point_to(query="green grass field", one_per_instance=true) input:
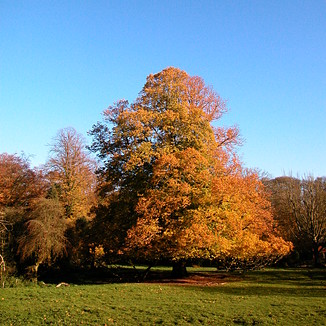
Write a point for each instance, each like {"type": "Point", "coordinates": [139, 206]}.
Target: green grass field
{"type": "Point", "coordinates": [267, 297]}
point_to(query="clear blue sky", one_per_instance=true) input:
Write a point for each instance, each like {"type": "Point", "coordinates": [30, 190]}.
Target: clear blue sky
{"type": "Point", "coordinates": [63, 62]}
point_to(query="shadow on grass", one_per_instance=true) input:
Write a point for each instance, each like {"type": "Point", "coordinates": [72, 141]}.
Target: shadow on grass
{"type": "Point", "coordinates": [92, 276]}
{"type": "Point", "coordinates": [287, 274]}
{"type": "Point", "coordinates": [263, 291]}
{"type": "Point", "coordinates": [289, 282]}
{"type": "Point", "coordinates": [277, 282]}
{"type": "Point", "coordinates": [288, 277]}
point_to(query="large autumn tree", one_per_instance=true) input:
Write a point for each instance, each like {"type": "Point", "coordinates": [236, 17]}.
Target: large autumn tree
{"type": "Point", "coordinates": [172, 185]}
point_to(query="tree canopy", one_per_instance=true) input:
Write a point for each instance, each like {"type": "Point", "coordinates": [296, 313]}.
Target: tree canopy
{"type": "Point", "coordinates": [71, 173]}
{"type": "Point", "coordinates": [19, 184]}
{"type": "Point", "coordinates": [44, 237]}
{"type": "Point", "coordinates": [300, 208]}
{"type": "Point", "coordinates": [172, 185]}
{"type": "Point", "coordinates": [169, 188]}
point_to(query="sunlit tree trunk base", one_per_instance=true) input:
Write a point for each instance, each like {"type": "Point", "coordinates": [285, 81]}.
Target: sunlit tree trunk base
{"type": "Point", "coordinates": [34, 272]}
{"type": "Point", "coordinates": [179, 269]}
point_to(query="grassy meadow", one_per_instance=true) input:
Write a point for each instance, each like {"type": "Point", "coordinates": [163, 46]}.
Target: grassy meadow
{"type": "Point", "coordinates": [266, 297]}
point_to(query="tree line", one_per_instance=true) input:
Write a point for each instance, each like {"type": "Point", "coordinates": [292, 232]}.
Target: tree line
{"type": "Point", "coordinates": [167, 187]}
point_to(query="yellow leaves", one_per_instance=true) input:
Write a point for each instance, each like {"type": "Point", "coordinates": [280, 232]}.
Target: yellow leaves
{"type": "Point", "coordinates": [71, 173]}
{"type": "Point", "coordinates": [139, 156]}
{"type": "Point", "coordinates": [193, 213]}
{"type": "Point", "coordinates": [98, 254]}
{"type": "Point", "coordinates": [173, 84]}
{"type": "Point", "coordinates": [185, 188]}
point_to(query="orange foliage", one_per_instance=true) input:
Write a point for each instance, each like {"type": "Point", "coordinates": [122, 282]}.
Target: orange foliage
{"type": "Point", "coordinates": [186, 193]}
{"type": "Point", "coordinates": [19, 184]}
{"type": "Point", "coordinates": [191, 213]}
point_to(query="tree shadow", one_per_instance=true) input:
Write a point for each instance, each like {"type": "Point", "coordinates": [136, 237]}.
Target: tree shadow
{"type": "Point", "coordinates": [300, 277]}
{"type": "Point", "coordinates": [264, 282]}
{"type": "Point", "coordinates": [91, 276]}
{"type": "Point", "coordinates": [263, 291]}
{"type": "Point", "coordinates": [289, 273]}
{"type": "Point", "coordinates": [129, 274]}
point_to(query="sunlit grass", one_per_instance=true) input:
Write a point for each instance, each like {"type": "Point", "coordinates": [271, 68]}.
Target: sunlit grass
{"type": "Point", "coordinates": [268, 297]}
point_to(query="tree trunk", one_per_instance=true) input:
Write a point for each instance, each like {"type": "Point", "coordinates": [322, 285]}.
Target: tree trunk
{"type": "Point", "coordinates": [316, 254]}
{"type": "Point", "coordinates": [34, 271]}
{"type": "Point", "coordinates": [179, 269]}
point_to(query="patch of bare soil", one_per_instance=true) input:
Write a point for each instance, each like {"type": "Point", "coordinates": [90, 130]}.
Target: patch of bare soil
{"type": "Point", "coordinates": [195, 279]}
